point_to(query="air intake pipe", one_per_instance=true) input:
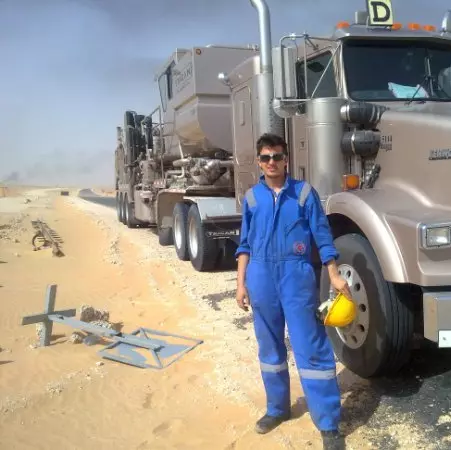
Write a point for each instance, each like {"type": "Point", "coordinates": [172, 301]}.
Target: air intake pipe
{"type": "Point", "coordinates": [269, 121]}
{"type": "Point", "coordinates": [364, 143]}
{"type": "Point", "coordinates": [367, 114]}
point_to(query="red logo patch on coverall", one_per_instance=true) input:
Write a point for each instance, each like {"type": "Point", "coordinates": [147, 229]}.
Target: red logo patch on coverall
{"type": "Point", "coordinates": [299, 248]}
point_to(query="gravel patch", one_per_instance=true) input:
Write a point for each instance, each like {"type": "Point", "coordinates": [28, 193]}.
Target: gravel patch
{"type": "Point", "coordinates": [12, 229]}
{"type": "Point", "coordinates": [414, 408]}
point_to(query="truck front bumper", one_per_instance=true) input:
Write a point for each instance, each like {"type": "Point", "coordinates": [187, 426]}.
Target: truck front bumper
{"type": "Point", "coordinates": [437, 317]}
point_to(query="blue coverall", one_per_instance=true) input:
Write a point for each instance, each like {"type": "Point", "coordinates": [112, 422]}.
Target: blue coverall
{"type": "Point", "coordinates": [281, 284]}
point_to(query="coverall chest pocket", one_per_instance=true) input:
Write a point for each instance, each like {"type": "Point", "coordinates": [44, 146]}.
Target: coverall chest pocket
{"type": "Point", "coordinates": [296, 240]}
{"type": "Point", "coordinates": [256, 236]}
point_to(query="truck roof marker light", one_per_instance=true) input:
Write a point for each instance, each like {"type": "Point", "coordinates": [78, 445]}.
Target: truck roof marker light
{"type": "Point", "coordinates": [343, 24]}
{"type": "Point", "coordinates": [414, 26]}
{"type": "Point", "coordinates": [350, 182]}
{"type": "Point", "coordinates": [429, 28]}
{"type": "Point", "coordinates": [396, 26]}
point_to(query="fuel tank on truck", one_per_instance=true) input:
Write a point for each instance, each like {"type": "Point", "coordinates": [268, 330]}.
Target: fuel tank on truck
{"type": "Point", "coordinates": [198, 117]}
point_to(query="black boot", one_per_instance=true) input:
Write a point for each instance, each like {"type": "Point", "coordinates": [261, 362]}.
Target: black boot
{"type": "Point", "coordinates": [268, 423]}
{"type": "Point", "coordinates": [333, 440]}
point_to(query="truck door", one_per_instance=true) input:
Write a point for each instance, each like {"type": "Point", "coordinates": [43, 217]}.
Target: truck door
{"type": "Point", "coordinates": [316, 66]}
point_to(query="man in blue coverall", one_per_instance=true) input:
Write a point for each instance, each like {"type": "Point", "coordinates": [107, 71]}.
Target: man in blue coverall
{"type": "Point", "coordinates": [276, 278]}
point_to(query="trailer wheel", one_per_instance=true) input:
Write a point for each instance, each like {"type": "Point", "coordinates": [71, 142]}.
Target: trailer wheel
{"type": "Point", "coordinates": [130, 219]}
{"type": "Point", "coordinates": [378, 342]}
{"type": "Point", "coordinates": [165, 237]}
{"type": "Point", "coordinates": [121, 208]}
{"type": "Point", "coordinates": [124, 209]}
{"type": "Point", "coordinates": [118, 207]}
{"type": "Point", "coordinates": [180, 230]}
{"type": "Point", "coordinates": [203, 252]}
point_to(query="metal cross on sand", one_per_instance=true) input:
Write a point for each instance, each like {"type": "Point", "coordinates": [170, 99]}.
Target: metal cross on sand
{"type": "Point", "coordinates": [125, 344]}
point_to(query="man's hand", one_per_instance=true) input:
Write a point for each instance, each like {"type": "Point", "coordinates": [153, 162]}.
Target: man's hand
{"type": "Point", "coordinates": [336, 280]}
{"type": "Point", "coordinates": [340, 285]}
{"type": "Point", "coordinates": [242, 298]}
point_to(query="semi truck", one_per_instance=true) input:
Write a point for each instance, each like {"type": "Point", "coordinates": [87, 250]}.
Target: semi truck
{"type": "Point", "coordinates": [366, 114]}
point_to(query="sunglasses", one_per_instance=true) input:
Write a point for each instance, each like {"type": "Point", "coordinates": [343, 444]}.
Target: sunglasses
{"type": "Point", "coordinates": [277, 157]}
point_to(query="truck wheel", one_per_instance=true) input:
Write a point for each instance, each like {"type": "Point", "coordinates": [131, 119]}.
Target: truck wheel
{"type": "Point", "coordinates": [118, 207]}
{"type": "Point", "coordinates": [180, 230]}
{"type": "Point", "coordinates": [203, 252]}
{"type": "Point", "coordinates": [130, 219]}
{"type": "Point", "coordinates": [378, 342]}
{"type": "Point", "coordinates": [165, 237]}
{"type": "Point", "coordinates": [121, 206]}
{"type": "Point", "coordinates": [124, 209]}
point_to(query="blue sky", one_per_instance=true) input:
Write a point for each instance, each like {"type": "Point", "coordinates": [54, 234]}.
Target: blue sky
{"type": "Point", "coordinates": [69, 68]}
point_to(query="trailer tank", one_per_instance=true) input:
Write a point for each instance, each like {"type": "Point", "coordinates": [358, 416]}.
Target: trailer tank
{"type": "Point", "coordinates": [197, 113]}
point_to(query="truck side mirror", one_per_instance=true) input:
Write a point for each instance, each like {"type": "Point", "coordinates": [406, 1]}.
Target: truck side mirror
{"type": "Point", "coordinates": [285, 83]}
{"type": "Point", "coordinates": [284, 75]}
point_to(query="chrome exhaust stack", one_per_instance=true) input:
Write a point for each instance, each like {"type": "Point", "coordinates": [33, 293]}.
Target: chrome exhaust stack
{"type": "Point", "coordinates": [269, 121]}
{"type": "Point", "coordinates": [264, 24]}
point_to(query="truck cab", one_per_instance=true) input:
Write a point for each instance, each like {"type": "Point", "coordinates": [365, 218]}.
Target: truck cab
{"type": "Point", "coordinates": [367, 113]}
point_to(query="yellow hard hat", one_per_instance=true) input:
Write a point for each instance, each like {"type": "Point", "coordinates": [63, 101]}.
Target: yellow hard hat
{"type": "Point", "coordinates": [341, 311]}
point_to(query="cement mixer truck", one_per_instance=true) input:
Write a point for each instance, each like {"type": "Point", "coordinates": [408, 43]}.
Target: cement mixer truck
{"type": "Point", "coordinates": [366, 112]}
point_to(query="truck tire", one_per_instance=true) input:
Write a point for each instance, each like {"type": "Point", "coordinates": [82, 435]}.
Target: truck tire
{"type": "Point", "coordinates": [203, 252]}
{"type": "Point", "coordinates": [165, 237]}
{"type": "Point", "coordinates": [378, 342]}
{"type": "Point", "coordinates": [118, 207]}
{"type": "Point", "coordinates": [130, 219]}
{"type": "Point", "coordinates": [123, 211]}
{"type": "Point", "coordinates": [180, 230]}
{"type": "Point", "coordinates": [121, 208]}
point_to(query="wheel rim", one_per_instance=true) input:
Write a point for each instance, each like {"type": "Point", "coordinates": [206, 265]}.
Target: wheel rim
{"type": "Point", "coordinates": [177, 231]}
{"type": "Point", "coordinates": [193, 241]}
{"type": "Point", "coordinates": [354, 335]}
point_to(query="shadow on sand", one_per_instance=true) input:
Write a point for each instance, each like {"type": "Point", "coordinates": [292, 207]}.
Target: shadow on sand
{"type": "Point", "coordinates": [421, 391]}
{"type": "Point", "coordinates": [428, 368]}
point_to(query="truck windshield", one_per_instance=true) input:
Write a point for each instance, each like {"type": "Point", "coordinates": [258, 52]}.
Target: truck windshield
{"type": "Point", "coordinates": [391, 70]}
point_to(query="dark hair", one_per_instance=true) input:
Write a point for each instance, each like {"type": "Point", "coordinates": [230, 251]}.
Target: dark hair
{"type": "Point", "coordinates": [271, 140]}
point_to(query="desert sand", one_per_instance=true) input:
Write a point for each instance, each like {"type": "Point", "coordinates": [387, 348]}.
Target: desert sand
{"type": "Point", "coordinates": [65, 396]}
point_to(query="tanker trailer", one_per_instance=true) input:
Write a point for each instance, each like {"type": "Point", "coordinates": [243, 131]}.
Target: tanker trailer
{"type": "Point", "coordinates": [175, 166]}
{"type": "Point", "coordinates": [185, 167]}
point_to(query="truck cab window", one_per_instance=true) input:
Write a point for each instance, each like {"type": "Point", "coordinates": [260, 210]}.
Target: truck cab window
{"type": "Point", "coordinates": [397, 70]}
{"type": "Point", "coordinates": [315, 69]}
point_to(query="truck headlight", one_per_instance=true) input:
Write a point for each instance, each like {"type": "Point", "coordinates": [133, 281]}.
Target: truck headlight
{"type": "Point", "coordinates": [434, 236]}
